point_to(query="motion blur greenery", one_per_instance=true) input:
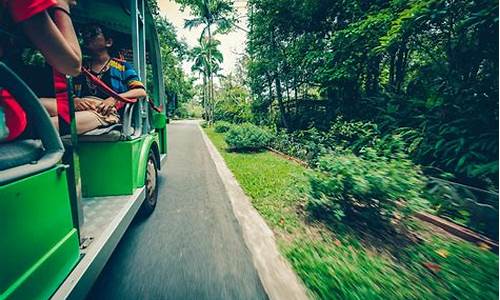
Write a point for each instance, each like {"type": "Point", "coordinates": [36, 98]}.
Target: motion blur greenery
{"type": "Point", "coordinates": [345, 267]}
{"type": "Point", "coordinates": [361, 138]}
{"type": "Point", "coordinates": [337, 261]}
{"type": "Point", "coordinates": [368, 188]}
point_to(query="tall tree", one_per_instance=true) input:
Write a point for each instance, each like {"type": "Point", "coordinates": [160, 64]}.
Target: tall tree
{"type": "Point", "coordinates": [207, 59]}
{"type": "Point", "coordinates": [210, 13]}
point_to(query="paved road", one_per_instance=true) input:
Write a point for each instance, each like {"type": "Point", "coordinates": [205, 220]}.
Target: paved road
{"type": "Point", "coordinates": [191, 247]}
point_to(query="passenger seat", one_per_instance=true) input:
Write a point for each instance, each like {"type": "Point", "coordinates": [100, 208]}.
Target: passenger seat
{"type": "Point", "coordinates": [20, 152]}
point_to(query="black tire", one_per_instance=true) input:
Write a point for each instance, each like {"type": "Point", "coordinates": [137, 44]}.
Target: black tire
{"type": "Point", "coordinates": [151, 186]}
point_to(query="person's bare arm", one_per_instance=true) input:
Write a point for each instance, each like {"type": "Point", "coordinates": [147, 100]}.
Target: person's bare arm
{"type": "Point", "coordinates": [62, 52]}
{"type": "Point", "coordinates": [107, 105]}
{"type": "Point", "coordinates": [134, 93]}
{"type": "Point", "coordinates": [65, 25]}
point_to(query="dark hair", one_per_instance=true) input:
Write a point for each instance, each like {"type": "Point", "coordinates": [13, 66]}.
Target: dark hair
{"type": "Point", "coordinates": [94, 29]}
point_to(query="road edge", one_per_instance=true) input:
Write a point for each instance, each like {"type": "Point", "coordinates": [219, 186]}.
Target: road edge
{"type": "Point", "coordinates": [276, 274]}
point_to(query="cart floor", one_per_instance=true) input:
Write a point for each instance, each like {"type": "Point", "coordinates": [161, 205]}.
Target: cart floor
{"type": "Point", "coordinates": [105, 222]}
{"type": "Point", "coordinates": [98, 213]}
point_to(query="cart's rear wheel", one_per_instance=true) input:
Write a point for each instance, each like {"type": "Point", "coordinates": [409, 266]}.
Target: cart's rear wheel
{"type": "Point", "coordinates": [151, 185]}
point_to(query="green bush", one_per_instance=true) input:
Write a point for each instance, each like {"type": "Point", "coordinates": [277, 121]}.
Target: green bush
{"type": "Point", "coordinates": [375, 187]}
{"type": "Point", "coordinates": [222, 126]}
{"type": "Point", "coordinates": [204, 124]}
{"type": "Point", "coordinates": [247, 137]}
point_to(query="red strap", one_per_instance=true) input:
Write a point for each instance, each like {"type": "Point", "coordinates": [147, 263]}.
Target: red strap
{"type": "Point", "coordinates": [110, 92]}
{"type": "Point", "coordinates": [156, 108]}
{"type": "Point", "coordinates": [106, 89]}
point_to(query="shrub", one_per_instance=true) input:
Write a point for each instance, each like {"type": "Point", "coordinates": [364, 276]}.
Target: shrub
{"type": "Point", "coordinates": [222, 126]}
{"type": "Point", "coordinates": [375, 187]}
{"type": "Point", "coordinates": [204, 124]}
{"type": "Point", "coordinates": [247, 137]}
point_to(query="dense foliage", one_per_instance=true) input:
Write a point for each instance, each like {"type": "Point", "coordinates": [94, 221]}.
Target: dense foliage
{"type": "Point", "coordinates": [310, 144]}
{"type": "Point", "coordinates": [427, 65]}
{"type": "Point", "coordinates": [247, 137]}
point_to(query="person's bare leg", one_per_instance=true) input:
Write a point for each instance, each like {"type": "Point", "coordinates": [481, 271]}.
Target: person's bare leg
{"type": "Point", "coordinates": [50, 105]}
{"type": "Point", "coordinates": [85, 121]}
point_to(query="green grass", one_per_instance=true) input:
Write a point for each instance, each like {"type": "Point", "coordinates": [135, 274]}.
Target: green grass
{"type": "Point", "coordinates": [342, 263]}
{"type": "Point", "coordinates": [268, 180]}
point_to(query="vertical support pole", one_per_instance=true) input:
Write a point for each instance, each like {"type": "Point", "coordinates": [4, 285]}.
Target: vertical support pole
{"type": "Point", "coordinates": [145, 109]}
{"type": "Point", "coordinates": [136, 49]}
{"type": "Point", "coordinates": [67, 125]}
{"type": "Point", "coordinates": [142, 41]}
{"type": "Point", "coordinates": [159, 87]}
{"type": "Point", "coordinates": [134, 9]}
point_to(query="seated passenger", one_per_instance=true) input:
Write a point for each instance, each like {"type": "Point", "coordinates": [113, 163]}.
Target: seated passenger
{"type": "Point", "coordinates": [55, 38]}
{"type": "Point", "coordinates": [94, 108]}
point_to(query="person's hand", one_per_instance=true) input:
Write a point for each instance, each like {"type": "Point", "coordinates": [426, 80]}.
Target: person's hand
{"type": "Point", "coordinates": [85, 104]}
{"type": "Point", "coordinates": [106, 106]}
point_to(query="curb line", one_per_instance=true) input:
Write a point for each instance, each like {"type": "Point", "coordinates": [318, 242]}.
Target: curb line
{"type": "Point", "coordinates": [275, 273]}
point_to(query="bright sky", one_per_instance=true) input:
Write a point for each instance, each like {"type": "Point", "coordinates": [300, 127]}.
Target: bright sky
{"type": "Point", "coordinates": [232, 44]}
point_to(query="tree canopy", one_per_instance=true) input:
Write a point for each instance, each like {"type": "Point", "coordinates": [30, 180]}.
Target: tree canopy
{"type": "Point", "coordinates": [428, 65]}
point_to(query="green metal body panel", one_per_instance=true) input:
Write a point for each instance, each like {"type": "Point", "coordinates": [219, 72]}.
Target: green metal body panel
{"type": "Point", "coordinates": [114, 168]}
{"type": "Point", "coordinates": [160, 124]}
{"type": "Point", "coordinates": [162, 135]}
{"type": "Point", "coordinates": [40, 246]}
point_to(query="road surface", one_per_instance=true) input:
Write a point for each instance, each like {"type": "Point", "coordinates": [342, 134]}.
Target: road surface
{"type": "Point", "coordinates": [191, 247]}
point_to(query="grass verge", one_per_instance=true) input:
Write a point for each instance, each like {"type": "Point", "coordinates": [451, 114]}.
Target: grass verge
{"type": "Point", "coordinates": [344, 263]}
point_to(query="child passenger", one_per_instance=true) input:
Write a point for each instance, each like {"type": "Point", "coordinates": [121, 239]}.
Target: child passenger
{"type": "Point", "coordinates": [94, 108]}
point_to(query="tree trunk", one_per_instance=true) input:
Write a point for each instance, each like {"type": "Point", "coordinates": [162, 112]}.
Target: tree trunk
{"type": "Point", "coordinates": [271, 95]}
{"type": "Point", "coordinates": [279, 95]}
{"type": "Point", "coordinates": [210, 69]}
{"type": "Point", "coordinates": [205, 97]}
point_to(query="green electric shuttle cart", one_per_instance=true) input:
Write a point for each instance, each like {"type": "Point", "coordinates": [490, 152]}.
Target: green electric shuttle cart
{"type": "Point", "coordinates": [66, 200]}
